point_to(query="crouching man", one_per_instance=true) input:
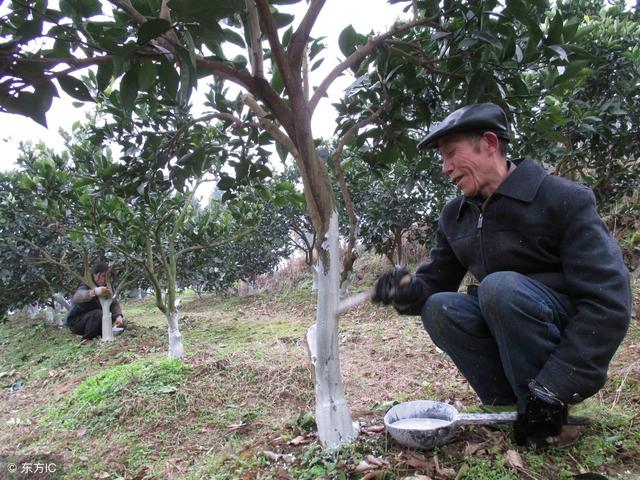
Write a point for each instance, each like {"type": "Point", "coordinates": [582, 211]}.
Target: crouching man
{"type": "Point", "coordinates": [553, 301]}
{"type": "Point", "coordinates": [85, 316]}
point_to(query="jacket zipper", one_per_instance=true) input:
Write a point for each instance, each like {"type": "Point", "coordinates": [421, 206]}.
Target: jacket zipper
{"type": "Point", "coordinates": [479, 228]}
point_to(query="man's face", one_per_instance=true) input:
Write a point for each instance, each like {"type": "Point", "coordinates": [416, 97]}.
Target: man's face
{"type": "Point", "coordinates": [466, 162]}
{"type": "Point", "coordinates": [100, 279]}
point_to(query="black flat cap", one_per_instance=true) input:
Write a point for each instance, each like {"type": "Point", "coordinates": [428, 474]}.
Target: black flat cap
{"type": "Point", "coordinates": [480, 117]}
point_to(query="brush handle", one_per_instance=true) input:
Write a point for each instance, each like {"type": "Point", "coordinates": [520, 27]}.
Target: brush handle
{"type": "Point", "coordinates": [486, 418]}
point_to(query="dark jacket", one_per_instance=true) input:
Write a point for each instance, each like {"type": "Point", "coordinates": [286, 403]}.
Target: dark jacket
{"type": "Point", "coordinates": [83, 303]}
{"type": "Point", "coordinates": [547, 228]}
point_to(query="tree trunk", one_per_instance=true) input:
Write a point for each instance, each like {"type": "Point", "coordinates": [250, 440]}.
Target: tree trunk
{"type": "Point", "coordinates": [335, 426]}
{"type": "Point", "coordinates": [176, 349]}
{"type": "Point", "coordinates": [107, 326]}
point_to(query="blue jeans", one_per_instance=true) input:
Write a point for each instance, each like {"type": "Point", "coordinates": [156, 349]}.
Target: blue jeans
{"type": "Point", "coordinates": [501, 338]}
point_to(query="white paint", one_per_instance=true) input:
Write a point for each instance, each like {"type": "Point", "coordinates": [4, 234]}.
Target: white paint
{"type": "Point", "coordinates": [420, 423]}
{"type": "Point", "coordinates": [176, 348]}
{"type": "Point", "coordinates": [107, 326]}
{"type": "Point", "coordinates": [335, 426]}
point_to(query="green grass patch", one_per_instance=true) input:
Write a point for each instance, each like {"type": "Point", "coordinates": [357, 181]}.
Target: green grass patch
{"type": "Point", "coordinates": [144, 385]}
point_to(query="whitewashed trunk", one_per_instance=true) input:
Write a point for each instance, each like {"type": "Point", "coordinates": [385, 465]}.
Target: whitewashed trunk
{"type": "Point", "coordinates": [107, 326]}
{"type": "Point", "coordinates": [176, 349]}
{"type": "Point", "coordinates": [59, 303]}
{"type": "Point", "coordinates": [335, 426]}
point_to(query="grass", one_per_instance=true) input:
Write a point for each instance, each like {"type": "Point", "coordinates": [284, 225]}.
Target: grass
{"type": "Point", "coordinates": [240, 404]}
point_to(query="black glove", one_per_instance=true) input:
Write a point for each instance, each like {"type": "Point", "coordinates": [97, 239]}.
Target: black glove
{"type": "Point", "coordinates": [543, 416]}
{"type": "Point", "coordinates": [389, 285]}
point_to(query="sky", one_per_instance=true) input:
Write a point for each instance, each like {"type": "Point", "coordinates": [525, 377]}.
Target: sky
{"type": "Point", "coordinates": [364, 15]}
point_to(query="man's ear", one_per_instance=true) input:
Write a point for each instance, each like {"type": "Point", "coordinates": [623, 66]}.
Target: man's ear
{"type": "Point", "coordinates": [493, 142]}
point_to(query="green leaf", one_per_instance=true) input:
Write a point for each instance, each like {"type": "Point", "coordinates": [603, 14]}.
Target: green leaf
{"type": "Point", "coordinates": [555, 29]}
{"type": "Point", "coordinates": [25, 104]}
{"type": "Point", "coordinates": [347, 40]}
{"type": "Point", "coordinates": [152, 29]}
{"type": "Point", "coordinates": [233, 37]}
{"type": "Point", "coordinates": [104, 75]}
{"type": "Point", "coordinates": [74, 88]}
{"type": "Point", "coordinates": [490, 39]}
{"type": "Point", "coordinates": [169, 77]}
{"type": "Point", "coordinates": [226, 182]}
{"type": "Point", "coordinates": [282, 19]}
{"type": "Point", "coordinates": [559, 51]}
{"type": "Point", "coordinates": [29, 30]}
{"type": "Point", "coordinates": [147, 75]}
{"type": "Point", "coordinates": [129, 89]}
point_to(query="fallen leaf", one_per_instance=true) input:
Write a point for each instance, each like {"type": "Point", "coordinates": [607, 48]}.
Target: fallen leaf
{"type": "Point", "coordinates": [416, 461]}
{"type": "Point", "coordinates": [418, 477]}
{"type": "Point", "coordinates": [376, 474]}
{"type": "Point", "coordinates": [141, 474]}
{"type": "Point", "coordinates": [271, 455]}
{"type": "Point", "coordinates": [300, 440]}
{"type": "Point", "coordinates": [472, 448]}
{"type": "Point", "coordinates": [81, 432]}
{"type": "Point", "coordinates": [102, 475]}
{"type": "Point", "coordinates": [514, 460]}
{"type": "Point", "coordinates": [363, 466]}
{"type": "Point", "coordinates": [373, 429]}
{"type": "Point", "coordinates": [443, 472]}
{"type": "Point", "coordinates": [288, 458]}
{"type": "Point", "coordinates": [284, 475]}
{"type": "Point", "coordinates": [378, 462]}
{"type": "Point", "coordinates": [236, 426]}
{"type": "Point", "coordinates": [83, 458]}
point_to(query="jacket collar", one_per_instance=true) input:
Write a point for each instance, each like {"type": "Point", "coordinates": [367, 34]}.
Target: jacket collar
{"type": "Point", "coordinates": [522, 184]}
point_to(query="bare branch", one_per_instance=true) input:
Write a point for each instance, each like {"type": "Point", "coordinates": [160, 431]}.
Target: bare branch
{"type": "Point", "coordinates": [271, 31]}
{"type": "Point", "coordinates": [255, 40]}
{"type": "Point", "coordinates": [227, 117]}
{"type": "Point", "coordinates": [300, 37]}
{"type": "Point", "coordinates": [217, 243]}
{"type": "Point", "coordinates": [165, 13]}
{"type": "Point", "coordinates": [356, 57]}
{"type": "Point", "coordinates": [350, 256]}
{"type": "Point", "coordinates": [258, 87]}
{"type": "Point", "coordinates": [269, 126]}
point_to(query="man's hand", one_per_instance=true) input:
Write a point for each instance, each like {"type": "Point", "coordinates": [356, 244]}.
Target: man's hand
{"type": "Point", "coordinates": [119, 322]}
{"type": "Point", "coordinates": [103, 292]}
{"type": "Point", "coordinates": [543, 416]}
{"type": "Point", "coordinates": [390, 286]}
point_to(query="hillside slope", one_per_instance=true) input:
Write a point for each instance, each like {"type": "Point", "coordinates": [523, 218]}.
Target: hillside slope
{"type": "Point", "coordinates": [240, 404]}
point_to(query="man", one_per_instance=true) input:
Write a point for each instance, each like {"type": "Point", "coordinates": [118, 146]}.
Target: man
{"type": "Point", "coordinates": [85, 316]}
{"type": "Point", "coordinates": [553, 301]}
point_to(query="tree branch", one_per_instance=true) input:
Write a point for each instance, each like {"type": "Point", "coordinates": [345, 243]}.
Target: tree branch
{"type": "Point", "coordinates": [217, 243]}
{"type": "Point", "coordinates": [255, 40]}
{"type": "Point", "coordinates": [271, 30]}
{"type": "Point", "coordinates": [300, 37]}
{"type": "Point", "coordinates": [350, 255]}
{"type": "Point", "coordinates": [269, 126]}
{"type": "Point", "coordinates": [48, 258]}
{"type": "Point", "coordinates": [356, 57]}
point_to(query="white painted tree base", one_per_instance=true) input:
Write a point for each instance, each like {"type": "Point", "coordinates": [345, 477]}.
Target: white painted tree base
{"type": "Point", "coordinates": [335, 426]}
{"type": "Point", "coordinates": [107, 326]}
{"type": "Point", "coordinates": [176, 348]}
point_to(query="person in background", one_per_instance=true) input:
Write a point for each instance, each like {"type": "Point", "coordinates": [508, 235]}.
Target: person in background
{"type": "Point", "coordinates": [553, 301]}
{"type": "Point", "coordinates": [85, 315]}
